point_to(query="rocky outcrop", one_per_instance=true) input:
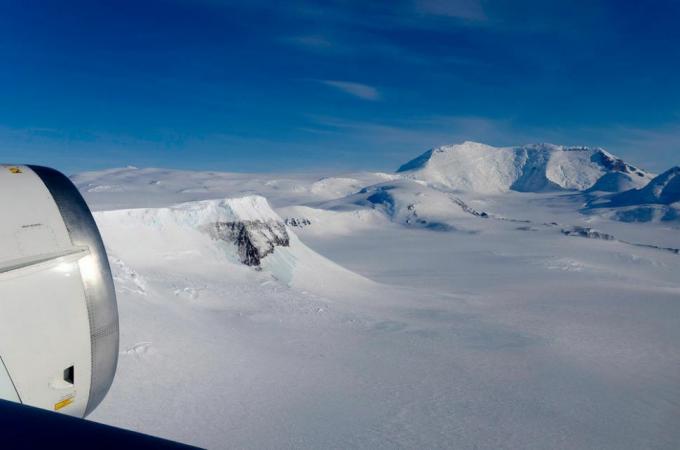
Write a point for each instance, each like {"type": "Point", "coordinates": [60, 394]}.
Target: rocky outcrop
{"type": "Point", "coordinates": [297, 222]}
{"type": "Point", "coordinates": [254, 239]}
{"type": "Point", "coordinates": [465, 207]}
{"type": "Point", "coordinates": [587, 232]}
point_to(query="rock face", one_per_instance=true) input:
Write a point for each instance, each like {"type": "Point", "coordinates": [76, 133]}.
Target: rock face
{"type": "Point", "coordinates": [472, 166]}
{"type": "Point", "coordinates": [254, 239]}
{"type": "Point", "coordinates": [247, 223]}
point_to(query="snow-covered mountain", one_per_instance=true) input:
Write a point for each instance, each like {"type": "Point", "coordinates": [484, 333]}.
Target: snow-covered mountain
{"type": "Point", "coordinates": [229, 232]}
{"type": "Point", "coordinates": [659, 200]}
{"type": "Point", "coordinates": [472, 166]}
{"type": "Point", "coordinates": [426, 192]}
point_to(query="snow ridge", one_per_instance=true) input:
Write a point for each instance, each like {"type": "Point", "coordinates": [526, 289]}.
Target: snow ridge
{"type": "Point", "coordinates": [658, 201]}
{"type": "Point", "coordinates": [662, 190]}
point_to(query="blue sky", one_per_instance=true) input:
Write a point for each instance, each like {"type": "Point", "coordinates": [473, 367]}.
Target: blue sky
{"type": "Point", "coordinates": [336, 85]}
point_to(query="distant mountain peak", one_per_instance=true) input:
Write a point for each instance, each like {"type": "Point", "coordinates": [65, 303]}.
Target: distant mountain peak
{"type": "Point", "coordinates": [473, 166]}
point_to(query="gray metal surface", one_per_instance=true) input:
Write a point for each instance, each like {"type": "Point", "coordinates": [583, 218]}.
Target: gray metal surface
{"type": "Point", "coordinates": [97, 281]}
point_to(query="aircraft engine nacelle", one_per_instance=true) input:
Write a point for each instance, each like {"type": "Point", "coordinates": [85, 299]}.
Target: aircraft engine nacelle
{"type": "Point", "coordinates": [58, 312]}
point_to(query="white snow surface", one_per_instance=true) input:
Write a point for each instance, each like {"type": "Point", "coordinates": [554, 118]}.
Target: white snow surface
{"type": "Point", "coordinates": [658, 201]}
{"type": "Point", "coordinates": [472, 166]}
{"type": "Point", "coordinates": [374, 330]}
{"type": "Point", "coordinates": [407, 202]}
{"type": "Point", "coordinates": [664, 189]}
{"type": "Point", "coordinates": [152, 187]}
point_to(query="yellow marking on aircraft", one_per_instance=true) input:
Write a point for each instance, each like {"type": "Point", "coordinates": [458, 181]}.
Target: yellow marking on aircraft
{"type": "Point", "coordinates": [64, 403]}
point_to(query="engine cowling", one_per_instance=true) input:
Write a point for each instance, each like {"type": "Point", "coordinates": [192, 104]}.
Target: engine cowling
{"type": "Point", "coordinates": [58, 313]}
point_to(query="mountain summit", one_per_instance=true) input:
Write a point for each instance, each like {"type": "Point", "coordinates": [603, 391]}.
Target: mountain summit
{"type": "Point", "coordinates": [472, 166]}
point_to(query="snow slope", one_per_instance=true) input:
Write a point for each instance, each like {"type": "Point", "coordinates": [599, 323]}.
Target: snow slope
{"type": "Point", "coordinates": [662, 190]}
{"type": "Point", "coordinates": [616, 182]}
{"type": "Point", "coordinates": [189, 231]}
{"type": "Point", "coordinates": [659, 200]}
{"type": "Point", "coordinates": [407, 202]}
{"type": "Point", "coordinates": [472, 166]}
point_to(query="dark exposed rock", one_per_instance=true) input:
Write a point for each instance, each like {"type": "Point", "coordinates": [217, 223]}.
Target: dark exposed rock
{"type": "Point", "coordinates": [412, 215]}
{"type": "Point", "coordinates": [594, 234]}
{"type": "Point", "coordinates": [587, 233]}
{"type": "Point", "coordinates": [675, 251]}
{"type": "Point", "coordinates": [611, 163]}
{"type": "Point", "coordinates": [412, 219]}
{"type": "Point", "coordinates": [465, 207]}
{"type": "Point", "coordinates": [297, 222]}
{"type": "Point", "coordinates": [254, 239]}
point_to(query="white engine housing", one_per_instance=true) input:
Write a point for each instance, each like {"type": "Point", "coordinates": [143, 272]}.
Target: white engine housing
{"type": "Point", "coordinates": [58, 312]}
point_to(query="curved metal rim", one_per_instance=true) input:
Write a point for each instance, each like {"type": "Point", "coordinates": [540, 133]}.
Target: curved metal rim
{"type": "Point", "coordinates": [98, 285]}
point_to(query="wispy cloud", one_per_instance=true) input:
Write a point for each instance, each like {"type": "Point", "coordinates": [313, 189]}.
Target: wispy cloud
{"type": "Point", "coordinates": [371, 31]}
{"type": "Point", "coordinates": [398, 140]}
{"type": "Point", "coordinates": [359, 90]}
{"type": "Point", "coordinates": [460, 9]}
